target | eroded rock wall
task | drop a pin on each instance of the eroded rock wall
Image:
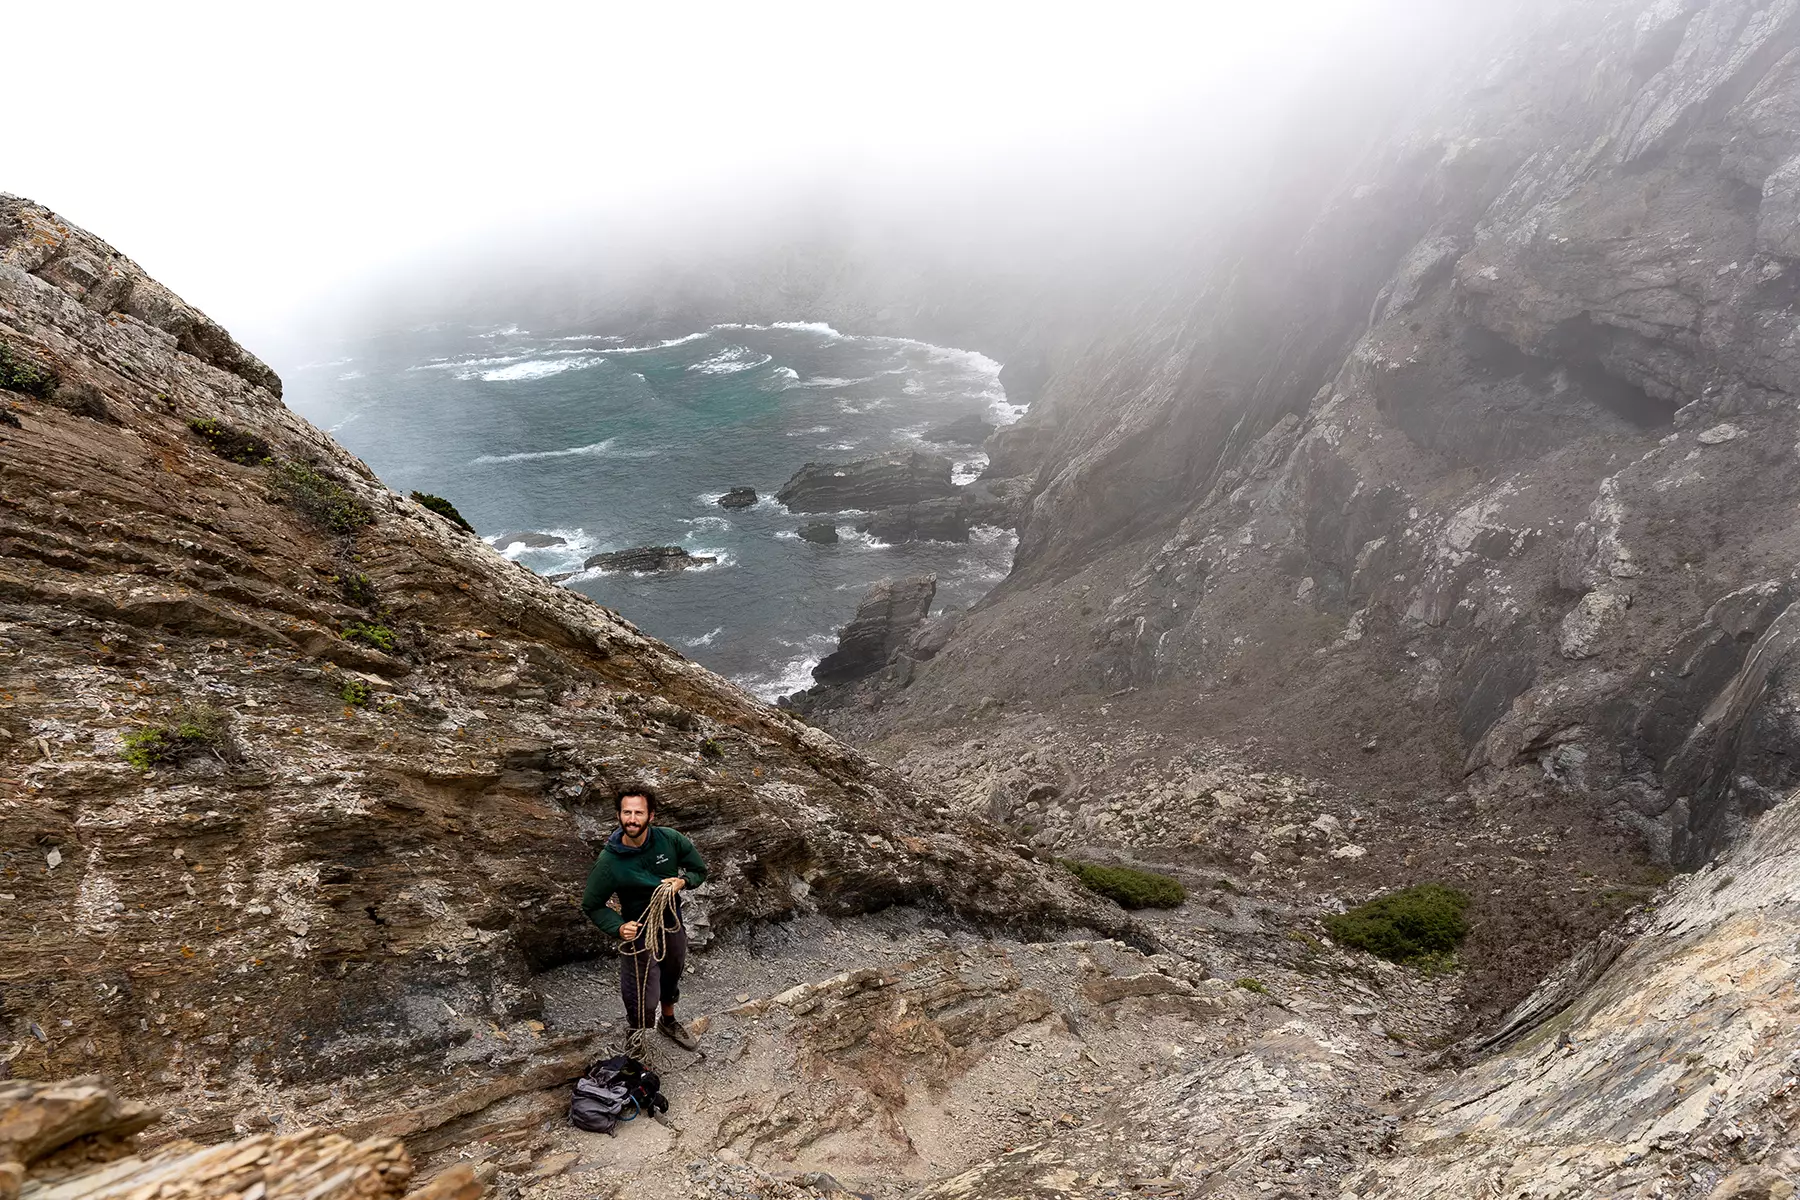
(373, 759)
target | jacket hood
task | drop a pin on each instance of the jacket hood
(616, 843)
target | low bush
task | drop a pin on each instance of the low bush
(443, 508)
(355, 693)
(22, 375)
(378, 636)
(1253, 985)
(1409, 925)
(328, 503)
(194, 729)
(1130, 888)
(358, 590)
(232, 444)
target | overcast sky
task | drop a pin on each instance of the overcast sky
(260, 157)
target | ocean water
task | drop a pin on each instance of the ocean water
(609, 444)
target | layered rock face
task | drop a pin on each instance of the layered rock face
(301, 782)
(898, 477)
(887, 616)
(1519, 482)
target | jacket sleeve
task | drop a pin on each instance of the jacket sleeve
(687, 857)
(600, 889)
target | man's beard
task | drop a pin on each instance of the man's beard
(634, 829)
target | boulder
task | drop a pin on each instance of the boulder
(887, 617)
(643, 560)
(738, 497)
(971, 430)
(820, 533)
(898, 477)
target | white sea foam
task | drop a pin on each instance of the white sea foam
(509, 331)
(714, 524)
(706, 639)
(536, 368)
(792, 676)
(320, 366)
(814, 431)
(680, 341)
(349, 375)
(867, 541)
(787, 375)
(353, 416)
(787, 535)
(595, 449)
(832, 381)
(732, 360)
(968, 471)
(551, 560)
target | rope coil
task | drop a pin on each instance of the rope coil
(662, 916)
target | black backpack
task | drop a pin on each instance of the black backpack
(612, 1091)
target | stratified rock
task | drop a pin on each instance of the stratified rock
(820, 533)
(345, 893)
(1017, 450)
(531, 541)
(646, 560)
(738, 497)
(971, 430)
(885, 619)
(898, 477)
(949, 519)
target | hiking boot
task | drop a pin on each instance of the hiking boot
(676, 1032)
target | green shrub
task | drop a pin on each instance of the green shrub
(355, 693)
(1130, 888)
(324, 500)
(710, 748)
(1253, 985)
(195, 728)
(232, 444)
(23, 375)
(378, 636)
(1410, 924)
(443, 508)
(358, 590)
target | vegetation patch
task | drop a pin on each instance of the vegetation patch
(710, 748)
(443, 508)
(22, 375)
(1412, 925)
(378, 636)
(358, 590)
(1130, 888)
(1253, 985)
(195, 729)
(355, 693)
(232, 444)
(328, 503)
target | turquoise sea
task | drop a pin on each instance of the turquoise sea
(610, 442)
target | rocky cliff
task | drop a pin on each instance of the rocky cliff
(299, 781)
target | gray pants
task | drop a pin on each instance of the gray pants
(644, 983)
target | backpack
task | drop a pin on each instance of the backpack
(612, 1091)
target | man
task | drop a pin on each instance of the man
(638, 856)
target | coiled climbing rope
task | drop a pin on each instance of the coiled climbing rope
(662, 917)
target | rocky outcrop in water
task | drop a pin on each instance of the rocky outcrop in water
(738, 497)
(531, 541)
(887, 616)
(820, 533)
(898, 477)
(648, 560)
(971, 430)
(301, 782)
(994, 504)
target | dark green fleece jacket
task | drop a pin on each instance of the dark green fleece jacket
(633, 873)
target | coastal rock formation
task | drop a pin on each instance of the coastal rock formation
(529, 540)
(738, 497)
(648, 560)
(887, 616)
(994, 503)
(820, 533)
(971, 430)
(898, 477)
(300, 781)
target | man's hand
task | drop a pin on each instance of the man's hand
(629, 930)
(679, 882)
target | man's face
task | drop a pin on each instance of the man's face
(634, 815)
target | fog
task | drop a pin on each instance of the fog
(306, 170)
